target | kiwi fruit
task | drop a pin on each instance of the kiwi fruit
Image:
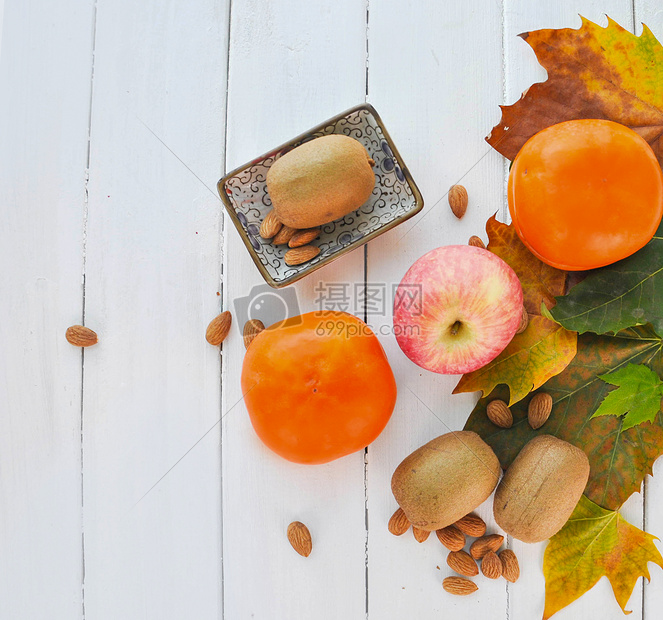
(445, 479)
(541, 488)
(320, 181)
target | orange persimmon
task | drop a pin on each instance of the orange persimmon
(585, 193)
(318, 386)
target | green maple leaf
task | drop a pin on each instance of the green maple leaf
(625, 294)
(638, 395)
(619, 457)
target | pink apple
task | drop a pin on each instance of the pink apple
(456, 309)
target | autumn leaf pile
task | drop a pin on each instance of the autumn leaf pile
(594, 343)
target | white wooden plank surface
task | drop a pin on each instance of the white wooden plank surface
(151, 387)
(2, 17)
(292, 65)
(44, 100)
(438, 95)
(653, 592)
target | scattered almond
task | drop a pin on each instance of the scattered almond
(463, 563)
(524, 322)
(471, 525)
(419, 534)
(284, 235)
(510, 567)
(476, 242)
(539, 409)
(302, 237)
(491, 565)
(270, 226)
(499, 413)
(459, 586)
(81, 336)
(483, 545)
(218, 328)
(300, 538)
(300, 255)
(458, 200)
(251, 329)
(398, 524)
(451, 537)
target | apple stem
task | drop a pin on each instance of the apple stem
(455, 328)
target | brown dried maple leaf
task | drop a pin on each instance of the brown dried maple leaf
(593, 72)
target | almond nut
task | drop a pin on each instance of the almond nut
(300, 538)
(302, 237)
(218, 328)
(538, 410)
(510, 567)
(398, 524)
(251, 329)
(284, 235)
(476, 242)
(463, 563)
(81, 336)
(458, 200)
(270, 226)
(451, 537)
(459, 586)
(499, 413)
(485, 544)
(419, 534)
(300, 255)
(471, 525)
(491, 565)
(524, 322)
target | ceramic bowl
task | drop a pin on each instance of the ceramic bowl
(395, 198)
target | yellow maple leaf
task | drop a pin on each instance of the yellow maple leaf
(593, 72)
(542, 351)
(594, 543)
(545, 348)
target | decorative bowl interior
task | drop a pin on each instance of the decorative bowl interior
(395, 198)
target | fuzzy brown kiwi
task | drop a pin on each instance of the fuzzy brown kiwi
(445, 479)
(320, 181)
(540, 489)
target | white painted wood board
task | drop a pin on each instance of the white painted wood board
(438, 96)
(151, 387)
(44, 102)
(292, 66)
